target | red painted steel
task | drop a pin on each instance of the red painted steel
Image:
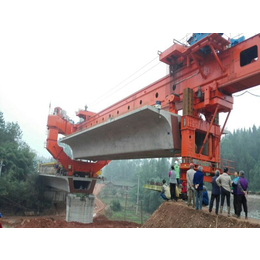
(212, 77)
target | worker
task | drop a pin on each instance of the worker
(241, 194)
(234, 189)
(58, 168)
(215, 193)
(1, 220)
(205, 197)
(173, 182)
(224, 181)
(165, 192)
(177, 170)
(184, 190)
(190, 187)
(198, 185)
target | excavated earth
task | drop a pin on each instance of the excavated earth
(56, 222)
(168, 215)
(179, 215)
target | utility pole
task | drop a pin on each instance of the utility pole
(142, 221)
(1, 165)
(125, 205)
(137, 201)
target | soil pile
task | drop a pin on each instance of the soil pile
(179, 215)
(168, 215)
(98, 222)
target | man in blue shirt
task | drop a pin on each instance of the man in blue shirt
(198, 185)
(234, 187)
(215, 193)
(205, 197)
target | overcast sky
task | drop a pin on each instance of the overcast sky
(71, 53)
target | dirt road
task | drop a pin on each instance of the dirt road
(99, 205)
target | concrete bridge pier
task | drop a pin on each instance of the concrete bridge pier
(77, 209)
(80, 209)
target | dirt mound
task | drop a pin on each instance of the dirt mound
(179, 215)
(98, 222)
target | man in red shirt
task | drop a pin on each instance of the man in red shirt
(1, 220)
(184, 190)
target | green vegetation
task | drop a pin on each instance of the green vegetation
(243, 147)
(116, 206)
(120, 206)
(128, 172)
(20, 189)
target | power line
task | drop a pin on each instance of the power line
(109, 93)
(14, 203)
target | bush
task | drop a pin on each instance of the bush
(115, 206)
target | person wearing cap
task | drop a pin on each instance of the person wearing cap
(241, 194)
(190, 188)
(1, 220)
(215, 193)
(224, 181)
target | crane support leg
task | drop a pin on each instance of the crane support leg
(211, 123)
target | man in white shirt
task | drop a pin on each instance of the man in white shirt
(190, 189)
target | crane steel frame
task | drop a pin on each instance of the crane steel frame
(200, 84)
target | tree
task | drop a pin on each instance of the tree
(19, 186)
(243, 147)
(13, 132)
(2, 127)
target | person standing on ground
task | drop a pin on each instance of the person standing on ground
(242, 186)
(173, 182)
(1, 220)
(190, 188)
(224, 181)
(215, 193)
(234, 186)
(177, 170)
(184, 191)
(205, 197)
(198, 184)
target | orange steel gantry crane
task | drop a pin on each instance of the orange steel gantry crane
(59, 123)
(202, 77)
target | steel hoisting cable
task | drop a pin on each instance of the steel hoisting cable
(105, 94)
(245, 93)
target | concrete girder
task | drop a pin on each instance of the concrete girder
(69, 184)
(147, 132)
